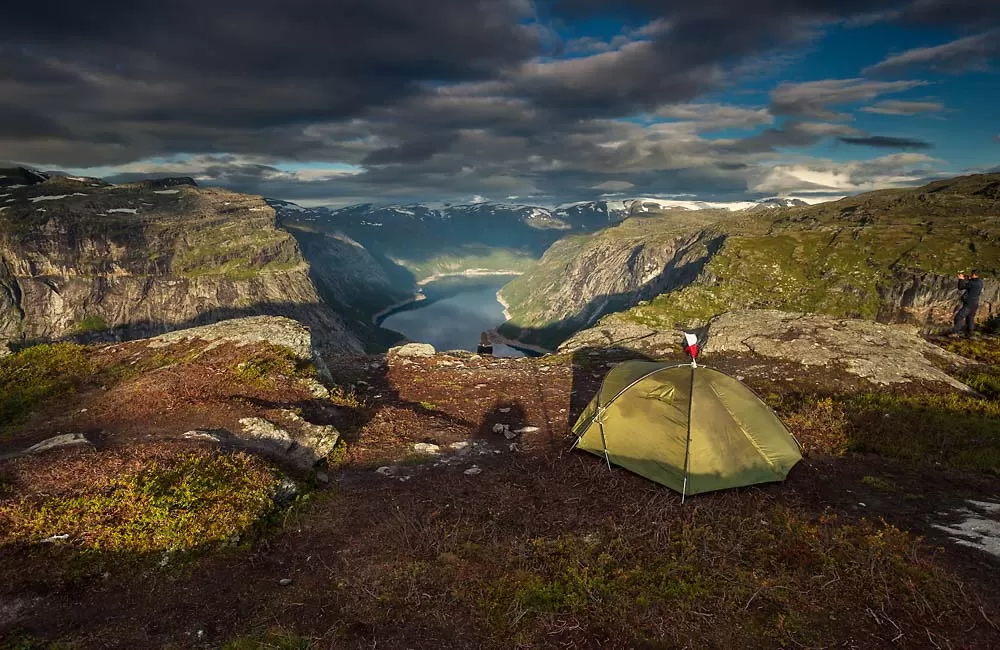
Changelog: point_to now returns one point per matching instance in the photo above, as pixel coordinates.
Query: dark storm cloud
(206, 71)
(887, 142)
(448, 98)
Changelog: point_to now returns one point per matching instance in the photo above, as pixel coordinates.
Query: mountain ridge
(889, 255)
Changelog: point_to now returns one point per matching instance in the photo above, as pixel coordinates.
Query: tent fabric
(692, 429)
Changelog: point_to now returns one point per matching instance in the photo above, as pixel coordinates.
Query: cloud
(813, 98)
(886, 142)
(968, 53)
(828, 177)
(716, 117)
(897, 107)
(614, 186)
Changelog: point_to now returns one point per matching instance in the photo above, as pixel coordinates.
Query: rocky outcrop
(275, 330)
(80, 258)
(930, 298)
(881, 354)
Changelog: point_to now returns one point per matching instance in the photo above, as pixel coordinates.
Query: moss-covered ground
(543, 548)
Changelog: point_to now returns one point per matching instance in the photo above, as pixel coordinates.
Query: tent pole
(687, 444)
(604, 441)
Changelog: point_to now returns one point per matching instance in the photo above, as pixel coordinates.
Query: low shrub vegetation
(175, 503)
(271, 362)
(37, 374)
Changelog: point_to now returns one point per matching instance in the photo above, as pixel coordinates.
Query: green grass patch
(90, 324)
(175, 504)
(37, 374)
(346, 397)
(880, 483)
(271, 362)
(270, 641)
(956, 430)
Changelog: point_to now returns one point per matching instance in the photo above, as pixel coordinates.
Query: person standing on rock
(965, 319)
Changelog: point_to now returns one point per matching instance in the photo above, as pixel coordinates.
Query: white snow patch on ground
(979, 528)
(165, 191)
(54, 197)
(125, 210)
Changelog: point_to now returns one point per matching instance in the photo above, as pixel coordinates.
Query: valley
(213, 435)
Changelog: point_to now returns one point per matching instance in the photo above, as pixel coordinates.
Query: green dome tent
(690, 428)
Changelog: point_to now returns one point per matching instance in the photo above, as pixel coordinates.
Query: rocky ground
(212, 493)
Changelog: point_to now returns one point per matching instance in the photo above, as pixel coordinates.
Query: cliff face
(581, 278)
(891, 256)
(80, 257)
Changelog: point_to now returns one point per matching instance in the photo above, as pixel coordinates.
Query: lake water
(454, 313)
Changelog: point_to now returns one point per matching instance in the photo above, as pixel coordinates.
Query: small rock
(204, 434)
(286, 491)
(500, 428)
(386, 470)
(472, 471)
(504, 410)
(55, 442)
(480, 386)
(527, 430)
(54, 538)
(458, 446)
(426, 448)
(514, 447)
(509, 435)
(317, 389)
(322, 477)
(284, 582)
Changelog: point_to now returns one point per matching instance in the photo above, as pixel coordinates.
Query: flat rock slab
(882, 354)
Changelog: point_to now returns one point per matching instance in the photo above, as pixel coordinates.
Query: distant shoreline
(382, 314)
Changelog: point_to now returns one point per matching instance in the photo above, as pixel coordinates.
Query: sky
(527, 101)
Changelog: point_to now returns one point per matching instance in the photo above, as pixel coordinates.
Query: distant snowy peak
(781, 202)
(639, 206)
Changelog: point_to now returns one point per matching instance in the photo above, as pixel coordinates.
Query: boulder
(55, 442)
(303, 444)
(413, 350)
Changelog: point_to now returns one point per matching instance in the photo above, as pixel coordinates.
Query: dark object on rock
(485, 346)
(965, 318)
